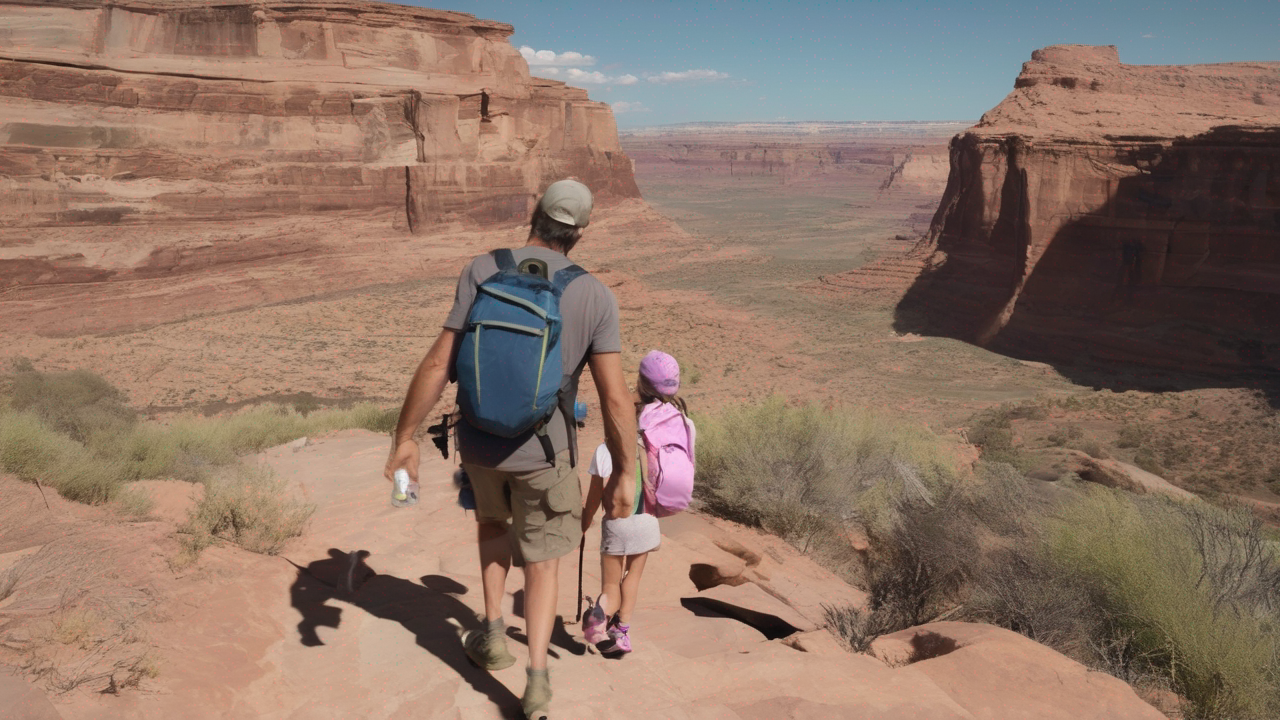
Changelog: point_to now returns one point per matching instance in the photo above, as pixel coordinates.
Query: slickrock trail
(727, 628)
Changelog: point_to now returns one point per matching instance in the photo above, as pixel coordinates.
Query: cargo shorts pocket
(566, 495)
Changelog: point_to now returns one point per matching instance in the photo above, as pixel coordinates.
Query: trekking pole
(582, 553)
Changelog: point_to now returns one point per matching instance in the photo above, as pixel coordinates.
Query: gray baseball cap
(567, 201)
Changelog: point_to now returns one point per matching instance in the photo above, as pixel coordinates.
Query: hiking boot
(537, 695)
(594, 627)
(619, 638)
(487, 647)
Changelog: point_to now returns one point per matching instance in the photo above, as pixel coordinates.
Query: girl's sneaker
(619, 638)
(595, 625)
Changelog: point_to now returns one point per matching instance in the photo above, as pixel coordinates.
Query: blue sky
(671, 62)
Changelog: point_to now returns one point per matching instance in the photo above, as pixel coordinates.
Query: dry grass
(250, 508)
(72, 432)
(1192, 589)
(808, 474)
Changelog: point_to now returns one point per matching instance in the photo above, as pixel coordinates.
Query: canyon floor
(726, 267)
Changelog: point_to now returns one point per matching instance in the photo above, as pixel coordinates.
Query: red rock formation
(1121, 215)
(150, 112)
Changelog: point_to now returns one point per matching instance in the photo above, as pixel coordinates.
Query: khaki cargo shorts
(545, 506)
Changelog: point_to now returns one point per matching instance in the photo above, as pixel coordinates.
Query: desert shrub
(1022, 589)
(1190, 588)
(1146, 459)
(77, 403)
(992, 432)
(34, 451)
(917, 568)
(799, 470)
(855, 627)
(250, 508)
(1065, 435)
(1132, 436)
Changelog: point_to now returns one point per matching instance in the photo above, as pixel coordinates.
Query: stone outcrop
(150, 113)
(1115, 216)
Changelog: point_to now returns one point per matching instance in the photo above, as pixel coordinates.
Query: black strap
(545, 440)
(505, 258)
(565, 276)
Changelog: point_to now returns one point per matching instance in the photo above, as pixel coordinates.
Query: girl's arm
(592, 503)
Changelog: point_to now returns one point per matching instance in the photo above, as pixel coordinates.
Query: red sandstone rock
(141, 114)
(994, 673)
(1115, 212)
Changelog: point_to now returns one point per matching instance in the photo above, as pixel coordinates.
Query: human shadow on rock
(425, 609)
(1170, 282)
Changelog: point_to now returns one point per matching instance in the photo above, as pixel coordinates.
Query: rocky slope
(1119, 215)
(728, 625)
(134, 134)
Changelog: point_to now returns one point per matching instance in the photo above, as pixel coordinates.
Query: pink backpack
(668, 442)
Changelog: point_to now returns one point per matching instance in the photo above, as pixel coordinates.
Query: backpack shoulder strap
(505, 259)
(563, 277)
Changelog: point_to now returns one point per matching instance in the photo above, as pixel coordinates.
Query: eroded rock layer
(1115, 214)
(149, 112)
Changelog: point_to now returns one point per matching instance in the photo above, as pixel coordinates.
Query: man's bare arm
(619, 413)
(424, 392)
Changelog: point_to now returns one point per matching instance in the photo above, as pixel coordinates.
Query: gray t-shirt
(590, 327)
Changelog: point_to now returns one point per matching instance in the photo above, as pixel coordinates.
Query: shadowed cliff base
(1172, 283)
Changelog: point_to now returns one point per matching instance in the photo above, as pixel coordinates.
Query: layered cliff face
(156, 113)
(1116, 215)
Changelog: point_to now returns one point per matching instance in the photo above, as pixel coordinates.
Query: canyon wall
(128, 117)
(1114, 215)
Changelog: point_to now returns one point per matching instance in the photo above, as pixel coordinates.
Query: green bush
(992, 432)
(1195, 589)
(77, 403)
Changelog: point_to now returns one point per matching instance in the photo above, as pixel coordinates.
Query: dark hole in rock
(928, 645)
(704, 576)
(771, 626)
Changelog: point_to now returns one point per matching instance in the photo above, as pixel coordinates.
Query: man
(516, 486)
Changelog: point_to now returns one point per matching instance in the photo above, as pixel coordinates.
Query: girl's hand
(404, 456)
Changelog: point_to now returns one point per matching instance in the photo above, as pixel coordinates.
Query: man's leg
(495, 562)
(541, 588)
(487, 646)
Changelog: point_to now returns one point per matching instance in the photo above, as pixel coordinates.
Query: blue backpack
(509, 366)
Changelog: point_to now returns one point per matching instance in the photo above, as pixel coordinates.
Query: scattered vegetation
(1161, 593)
(74, 432)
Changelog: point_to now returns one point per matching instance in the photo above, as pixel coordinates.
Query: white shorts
(630, 535)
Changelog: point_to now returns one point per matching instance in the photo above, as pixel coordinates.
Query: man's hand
(619, 498)
(618, 411)
(406, 456)
(424, 391)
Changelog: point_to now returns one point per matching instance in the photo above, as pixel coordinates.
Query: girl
(625, 543)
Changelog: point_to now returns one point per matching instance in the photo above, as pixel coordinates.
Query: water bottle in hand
(404, 492)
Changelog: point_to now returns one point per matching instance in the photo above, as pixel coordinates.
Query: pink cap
(662, 371)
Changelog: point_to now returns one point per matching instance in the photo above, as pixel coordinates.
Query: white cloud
(628, 107)
(575, 76)
(687, 76)
(1147, 35)
(548, 58)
